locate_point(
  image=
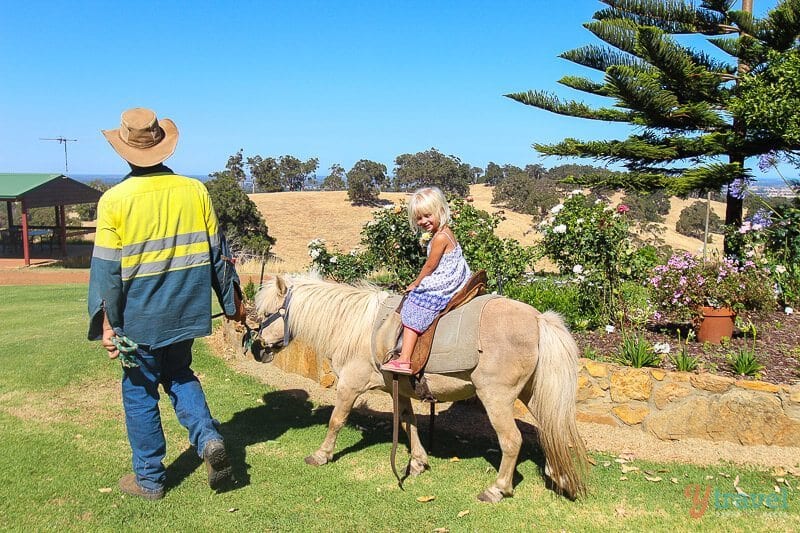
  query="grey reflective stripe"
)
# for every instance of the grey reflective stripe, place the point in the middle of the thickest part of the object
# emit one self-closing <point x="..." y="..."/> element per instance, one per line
<point x="213" y="240"/>
<point x="165" y="243"/>
<point x="157" y="267"/>
<point x="109" y="254"/>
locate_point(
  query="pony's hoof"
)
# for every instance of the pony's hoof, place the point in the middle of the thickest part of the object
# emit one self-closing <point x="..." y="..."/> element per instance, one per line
<point x="417" y="467"/>
<point x="313" y="460"/>
<point x="490" y="495"/>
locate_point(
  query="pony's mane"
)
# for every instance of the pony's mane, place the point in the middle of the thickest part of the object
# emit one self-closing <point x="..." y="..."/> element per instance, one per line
<point x="335" y="319"/>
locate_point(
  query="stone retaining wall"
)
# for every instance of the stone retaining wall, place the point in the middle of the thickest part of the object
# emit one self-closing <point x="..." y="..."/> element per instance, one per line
<point x="669" y="405"/>
<point x="677" y="405"/>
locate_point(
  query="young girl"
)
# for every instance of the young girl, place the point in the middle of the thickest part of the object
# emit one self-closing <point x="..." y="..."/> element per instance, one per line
<point x="442" y="275"/>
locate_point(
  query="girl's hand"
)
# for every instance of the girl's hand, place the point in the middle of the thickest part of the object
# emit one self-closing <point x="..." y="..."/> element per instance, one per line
<point x="411" y="287"/>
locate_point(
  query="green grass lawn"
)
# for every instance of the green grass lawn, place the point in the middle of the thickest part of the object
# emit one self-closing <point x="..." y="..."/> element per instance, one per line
<point x="63" y="447"/>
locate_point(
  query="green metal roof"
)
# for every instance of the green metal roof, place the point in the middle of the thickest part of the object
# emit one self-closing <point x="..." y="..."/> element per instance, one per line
<point x="15" y="185"/>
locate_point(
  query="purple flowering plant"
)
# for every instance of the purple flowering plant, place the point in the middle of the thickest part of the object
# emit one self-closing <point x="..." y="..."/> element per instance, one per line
<point x="685" y="283"/>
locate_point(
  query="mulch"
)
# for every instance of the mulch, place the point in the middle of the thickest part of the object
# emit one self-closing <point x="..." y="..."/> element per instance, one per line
<point x="777" y="345"/>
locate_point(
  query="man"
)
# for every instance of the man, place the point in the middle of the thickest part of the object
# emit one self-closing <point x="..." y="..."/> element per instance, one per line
<point x="158" y="254"/>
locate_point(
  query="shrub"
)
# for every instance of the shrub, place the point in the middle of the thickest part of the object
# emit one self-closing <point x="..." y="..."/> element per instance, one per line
<point x="249" y="290"/>
<point x="637" y="352"/>
<point x="647" y="206"/>
<point x="682" y="360"/>
<point x="692" y="221"/>
<point x="523" y="193"/>
<point x="590" y="239"/>
<point x="239" y="218"/>
<point x="341" y="267"/>
<point x="685" y="283"/>
<point x="561" y="295"/>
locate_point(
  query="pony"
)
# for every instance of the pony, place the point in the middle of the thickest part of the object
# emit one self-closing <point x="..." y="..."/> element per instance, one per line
<point x="524" y="355"/>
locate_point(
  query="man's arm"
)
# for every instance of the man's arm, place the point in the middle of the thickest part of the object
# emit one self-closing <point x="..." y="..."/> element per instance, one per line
<point x="105" y="275"/>
<point x="224" y="279"/>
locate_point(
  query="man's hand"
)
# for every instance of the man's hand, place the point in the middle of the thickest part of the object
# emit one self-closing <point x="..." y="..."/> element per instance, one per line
<point x="241" y="312"/>
<point x="113" y="352"/>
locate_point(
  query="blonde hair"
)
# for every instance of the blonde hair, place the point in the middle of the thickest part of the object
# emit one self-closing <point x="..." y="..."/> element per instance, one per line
<point x="428" y="201"/>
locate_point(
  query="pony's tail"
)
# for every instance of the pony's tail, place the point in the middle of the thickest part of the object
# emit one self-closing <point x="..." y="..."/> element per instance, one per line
<point x="553" y="404"/>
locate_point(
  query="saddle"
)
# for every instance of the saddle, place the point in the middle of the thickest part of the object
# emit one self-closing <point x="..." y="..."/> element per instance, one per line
<point x="475" y="286"/>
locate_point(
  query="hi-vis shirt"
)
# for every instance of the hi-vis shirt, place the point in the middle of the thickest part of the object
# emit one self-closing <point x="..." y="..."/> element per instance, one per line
<point x="158" y="253"/>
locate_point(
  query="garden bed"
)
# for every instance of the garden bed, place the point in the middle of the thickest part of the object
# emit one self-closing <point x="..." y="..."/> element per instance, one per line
<point x="777" y="347"/>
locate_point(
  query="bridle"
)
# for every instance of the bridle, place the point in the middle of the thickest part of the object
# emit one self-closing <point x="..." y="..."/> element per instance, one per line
<point x="281" y="312"/>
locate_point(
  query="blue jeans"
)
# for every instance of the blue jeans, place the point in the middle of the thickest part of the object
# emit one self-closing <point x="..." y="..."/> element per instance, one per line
<point x="169" y="366"/>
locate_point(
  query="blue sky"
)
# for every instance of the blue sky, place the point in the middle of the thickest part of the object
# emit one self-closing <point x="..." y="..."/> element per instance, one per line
<point x="336" y="80"/>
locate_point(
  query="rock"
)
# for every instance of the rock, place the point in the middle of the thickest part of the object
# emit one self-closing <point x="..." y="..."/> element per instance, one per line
<point x="669" y="392"/>
<point x="596" y="418"/>
<point x="631" y="414"/>
<point x="711" y="382"/>
<point x="748" y="418"/>
<point x="587" y="389"/>
<point x="630" y="384"/>
<point x="757" y="385"/>
<point x="687" y="419"/>
<point x="595" y="369"/>
<point x="657" y="374"/>
<point x="327" y="380"/>
<point x="298" y="358"/>
<point x="794" y="394"/>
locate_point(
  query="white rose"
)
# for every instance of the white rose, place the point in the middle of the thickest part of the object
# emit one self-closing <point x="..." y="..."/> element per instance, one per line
<point x="557" y="208"/>
<point x="313" y="253"/>
<point x="788" y="310"/>
<point x="610" y="329"/>
<point x="333" y="259"/>
<point x="561" y="228"/>
<point x="577" y="269"/>
<point x="780" y="269"/>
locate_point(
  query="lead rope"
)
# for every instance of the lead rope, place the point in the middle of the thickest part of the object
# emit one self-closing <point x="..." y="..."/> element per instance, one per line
<point x="127" y="349"/>
<point x="395" y="428"/>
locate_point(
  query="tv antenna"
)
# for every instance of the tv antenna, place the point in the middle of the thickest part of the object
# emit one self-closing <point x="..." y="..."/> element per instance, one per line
<point x="64" y="141"/>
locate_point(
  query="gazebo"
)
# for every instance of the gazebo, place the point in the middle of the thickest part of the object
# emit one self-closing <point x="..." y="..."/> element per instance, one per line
<point x="43" y="190"/>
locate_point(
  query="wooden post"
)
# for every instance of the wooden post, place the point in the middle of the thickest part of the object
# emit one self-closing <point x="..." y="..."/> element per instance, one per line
<point x="63" y="230"/>
<point x="26" y="253"/>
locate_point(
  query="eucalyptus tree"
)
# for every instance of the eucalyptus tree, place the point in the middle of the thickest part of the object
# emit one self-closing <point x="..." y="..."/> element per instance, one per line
<point x="334" y="181"/>
<point x="432" y="167"/>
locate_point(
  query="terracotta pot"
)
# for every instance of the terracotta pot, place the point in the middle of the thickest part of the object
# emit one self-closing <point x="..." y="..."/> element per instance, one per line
<point x="714" y="324"/>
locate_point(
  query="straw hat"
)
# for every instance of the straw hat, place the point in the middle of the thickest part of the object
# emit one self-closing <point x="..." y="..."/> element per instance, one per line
<point x="142" y="139"/>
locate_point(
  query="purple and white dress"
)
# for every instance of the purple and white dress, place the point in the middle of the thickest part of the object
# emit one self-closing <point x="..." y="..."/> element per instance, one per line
<point x="435" y="290"/>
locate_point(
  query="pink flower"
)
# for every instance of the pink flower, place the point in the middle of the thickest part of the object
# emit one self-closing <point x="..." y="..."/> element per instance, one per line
<point x="622" y="208"/>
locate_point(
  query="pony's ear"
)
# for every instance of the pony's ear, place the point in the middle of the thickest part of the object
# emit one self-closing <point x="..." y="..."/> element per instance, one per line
<point x="280" y="284"/>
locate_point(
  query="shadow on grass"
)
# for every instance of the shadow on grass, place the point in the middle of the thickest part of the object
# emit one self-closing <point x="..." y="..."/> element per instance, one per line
<point x="462" y="430"/>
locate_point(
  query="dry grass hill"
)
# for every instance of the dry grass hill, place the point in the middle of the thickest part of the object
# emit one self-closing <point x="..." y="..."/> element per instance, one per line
<point x="295" y="218"/>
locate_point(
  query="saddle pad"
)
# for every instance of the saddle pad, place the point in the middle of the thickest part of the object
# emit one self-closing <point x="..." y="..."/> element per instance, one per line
<point x="456" y="343"/>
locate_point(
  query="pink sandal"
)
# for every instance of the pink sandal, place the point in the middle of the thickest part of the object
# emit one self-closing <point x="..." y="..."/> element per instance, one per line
<point x="397" y="366"/>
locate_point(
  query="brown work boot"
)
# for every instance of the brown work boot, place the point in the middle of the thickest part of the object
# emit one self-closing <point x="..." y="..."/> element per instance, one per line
<point x="217" y="464"/>
<point x="129" y="485"/>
